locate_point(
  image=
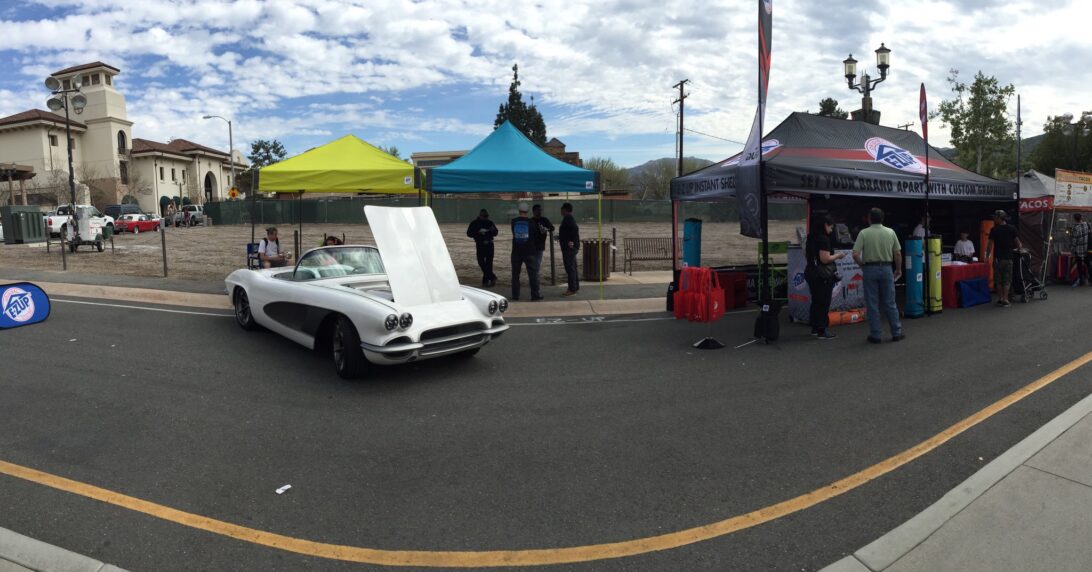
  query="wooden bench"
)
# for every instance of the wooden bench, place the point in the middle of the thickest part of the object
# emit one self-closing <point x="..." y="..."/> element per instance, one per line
<point x="640" y="248"/>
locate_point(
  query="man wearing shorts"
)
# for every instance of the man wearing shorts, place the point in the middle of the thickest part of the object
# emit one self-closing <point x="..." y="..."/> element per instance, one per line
<point x="1002" y="245"/>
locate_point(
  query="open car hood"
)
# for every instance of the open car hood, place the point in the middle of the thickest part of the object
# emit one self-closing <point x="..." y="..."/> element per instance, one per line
<point x="415" y="255"/>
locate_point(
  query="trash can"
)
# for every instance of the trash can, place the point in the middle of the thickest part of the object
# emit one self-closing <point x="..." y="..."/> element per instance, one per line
<point x="692" y="242"/>
<point x="592" y="262"/>
<point x="107" y="231"/>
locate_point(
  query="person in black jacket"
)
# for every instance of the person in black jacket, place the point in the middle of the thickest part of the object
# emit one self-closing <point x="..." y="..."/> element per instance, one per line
<point x="819" y="275"/>
<point x="569" y="237"/>
<point x="544" y="227"/>
<point x="524" y="231"/>
<point x="483" y="231"/>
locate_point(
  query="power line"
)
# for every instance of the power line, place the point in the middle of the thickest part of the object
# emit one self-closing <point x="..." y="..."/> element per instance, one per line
<point x="714" y="136"/>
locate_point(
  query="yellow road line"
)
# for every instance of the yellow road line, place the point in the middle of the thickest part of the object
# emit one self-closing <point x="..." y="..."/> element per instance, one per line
<point x="541" y="556"/>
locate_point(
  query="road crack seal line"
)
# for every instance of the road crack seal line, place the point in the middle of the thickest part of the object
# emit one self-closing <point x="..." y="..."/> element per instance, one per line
<point x="540" y="556"/>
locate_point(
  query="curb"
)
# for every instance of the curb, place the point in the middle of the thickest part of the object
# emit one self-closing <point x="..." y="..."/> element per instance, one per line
<point x="889" y="548"/>
<point x="546" y="309"/>
<point x="29" y="554"/>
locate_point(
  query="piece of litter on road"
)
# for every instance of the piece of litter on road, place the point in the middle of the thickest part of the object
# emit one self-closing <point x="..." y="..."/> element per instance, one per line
<point x="980" y="458"/>
<point x="113" y="346"/>
<point x="72" y="340"/>
<point x="282" y="490"/>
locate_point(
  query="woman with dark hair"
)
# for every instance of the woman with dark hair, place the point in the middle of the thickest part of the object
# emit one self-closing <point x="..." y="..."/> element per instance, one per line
<point x="820" y="274"/>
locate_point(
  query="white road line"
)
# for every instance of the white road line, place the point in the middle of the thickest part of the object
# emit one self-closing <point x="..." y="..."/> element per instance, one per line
<point x="143" y="308"/>
<point x="601" y="320"/>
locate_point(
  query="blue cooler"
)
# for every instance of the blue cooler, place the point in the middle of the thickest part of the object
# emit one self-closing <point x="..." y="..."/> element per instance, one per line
<point x="691" y="242"/>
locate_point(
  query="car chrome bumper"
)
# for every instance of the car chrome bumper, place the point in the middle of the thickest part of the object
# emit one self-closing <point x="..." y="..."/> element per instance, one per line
<point x="435" y="347"/>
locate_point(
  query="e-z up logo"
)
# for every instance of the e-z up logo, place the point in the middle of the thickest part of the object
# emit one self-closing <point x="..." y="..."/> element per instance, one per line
<point x="892" y="155"/>
<point x="767" y="147"/>
<point x="18" y="305"/>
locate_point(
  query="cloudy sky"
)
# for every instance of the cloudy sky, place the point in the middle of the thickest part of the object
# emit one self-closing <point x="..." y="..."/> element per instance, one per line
<point x="429" y="75"/>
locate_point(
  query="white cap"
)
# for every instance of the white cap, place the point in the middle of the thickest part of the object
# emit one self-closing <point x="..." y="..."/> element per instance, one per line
<point x="523" y="208"/>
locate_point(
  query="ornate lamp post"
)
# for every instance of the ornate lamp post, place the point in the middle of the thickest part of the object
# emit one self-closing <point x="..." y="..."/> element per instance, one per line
<point x="867" y="84"/>
<point x="231" y="147"/>
<point x="64" y="99"/>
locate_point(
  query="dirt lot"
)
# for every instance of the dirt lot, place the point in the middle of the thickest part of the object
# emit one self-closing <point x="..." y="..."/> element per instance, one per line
<point x="212" y="253"/>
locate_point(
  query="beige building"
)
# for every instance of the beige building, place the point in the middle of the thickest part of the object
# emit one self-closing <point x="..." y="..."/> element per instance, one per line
<point x="108" y="163"/>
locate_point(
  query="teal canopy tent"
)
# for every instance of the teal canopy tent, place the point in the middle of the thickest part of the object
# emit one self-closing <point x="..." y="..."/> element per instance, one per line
<point x="508" y="162"/>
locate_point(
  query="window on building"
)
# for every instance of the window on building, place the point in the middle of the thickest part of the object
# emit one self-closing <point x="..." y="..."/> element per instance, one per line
<point x="123" y="170"/>
<point x="108" y="78"/>
<point x="94" y="79"/>
<point x="52" y="140"/>
<point x="172" y="175"/>
<point x="121" y="142"/>
<point x="66" y="84"/>
<point x="85" y="80"/>
<point x="161" y="173"/>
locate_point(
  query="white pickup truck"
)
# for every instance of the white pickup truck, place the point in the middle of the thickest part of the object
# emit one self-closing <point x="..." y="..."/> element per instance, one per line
<point x="58" y="220"/>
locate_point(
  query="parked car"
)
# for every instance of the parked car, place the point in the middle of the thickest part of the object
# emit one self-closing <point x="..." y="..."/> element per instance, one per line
<point x="136" y="224"/>
<point x="393" y="303"/>
<point x="117" y="210"/>
<point x="58" y="220"/>
<point x="197" y="215"/>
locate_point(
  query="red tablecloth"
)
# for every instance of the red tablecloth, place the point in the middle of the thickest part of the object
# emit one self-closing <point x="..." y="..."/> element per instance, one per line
<point x="951" y="274"/>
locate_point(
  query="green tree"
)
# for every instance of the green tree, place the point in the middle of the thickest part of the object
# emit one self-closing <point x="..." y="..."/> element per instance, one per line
<point x="391" y="150"/>
<point x="654" y="180"/>
<point x="829" y="108"/>
<point x="263" y="153"/>
<point x="611" y="176"/>
<point x="524" y="117"/>
<point x="981" y="131"/>
<point x="1067" y="144"/>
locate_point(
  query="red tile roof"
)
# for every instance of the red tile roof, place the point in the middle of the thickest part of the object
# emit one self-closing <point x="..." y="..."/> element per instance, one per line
<point x="38" y="115"/>
<point x="183" y="145"/>
<point x="147" y="146"/>
<point x="82" y="67"/>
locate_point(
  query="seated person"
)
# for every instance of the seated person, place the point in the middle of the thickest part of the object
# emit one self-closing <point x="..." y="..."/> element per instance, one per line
<point x="269" y="250"/>
<point x="332" y="241"/>
<point x="964" y="248"/>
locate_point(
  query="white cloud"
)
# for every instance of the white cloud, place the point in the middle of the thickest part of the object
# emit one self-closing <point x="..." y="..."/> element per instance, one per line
<point x="602" y="69"/>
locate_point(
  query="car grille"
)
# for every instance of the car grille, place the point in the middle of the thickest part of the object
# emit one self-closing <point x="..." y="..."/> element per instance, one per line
<point x="451" y="331"/>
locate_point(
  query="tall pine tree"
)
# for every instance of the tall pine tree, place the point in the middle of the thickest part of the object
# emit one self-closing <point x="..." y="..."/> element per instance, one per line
<point x="524" y="117"/>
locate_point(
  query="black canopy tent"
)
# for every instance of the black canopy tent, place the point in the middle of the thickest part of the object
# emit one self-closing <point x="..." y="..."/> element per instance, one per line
<point x="833" y="162"/>
<point x="808" y="154"/>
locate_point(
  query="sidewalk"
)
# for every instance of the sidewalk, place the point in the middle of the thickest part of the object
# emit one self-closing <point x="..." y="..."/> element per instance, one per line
<point x="20" y="553"/>
<point x="641" y="293"/>
<point x="1028" y="509"/>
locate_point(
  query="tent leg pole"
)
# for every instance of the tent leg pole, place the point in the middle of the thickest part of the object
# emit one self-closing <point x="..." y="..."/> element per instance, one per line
<point x="600" y="217"/>
<point x="553" y="266"/>
<point x="299" y="218"/>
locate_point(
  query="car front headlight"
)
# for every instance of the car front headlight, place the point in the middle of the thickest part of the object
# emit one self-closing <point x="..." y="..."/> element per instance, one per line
<point x="503" y="305"/>
<point x="391" y="322"/>
<point x="492" y="307"/>
<point x="406" y="320"/>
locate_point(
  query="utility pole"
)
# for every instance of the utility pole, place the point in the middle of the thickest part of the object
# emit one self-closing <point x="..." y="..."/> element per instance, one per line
<point x="906" y="126"/>
<point x="680" y="101"/>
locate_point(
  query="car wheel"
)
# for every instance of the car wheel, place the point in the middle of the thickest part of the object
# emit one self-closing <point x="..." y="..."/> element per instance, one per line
<point x="349" y="360"/>
<point x="243" y="314"/>
<point x="136" y="230"/>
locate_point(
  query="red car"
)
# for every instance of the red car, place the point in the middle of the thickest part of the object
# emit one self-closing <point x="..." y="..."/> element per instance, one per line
<point x="136" y="223"/>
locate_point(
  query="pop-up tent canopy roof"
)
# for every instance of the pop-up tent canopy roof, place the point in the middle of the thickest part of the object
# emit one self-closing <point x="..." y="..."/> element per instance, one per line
<point x="507" y="161"/>
<point x="347" y="165"/>
<point x="809" y="154"/>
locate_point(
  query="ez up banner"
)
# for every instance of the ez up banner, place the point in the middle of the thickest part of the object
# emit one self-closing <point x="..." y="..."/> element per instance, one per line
<point x="749" y="189"/>
<point x="1072" y="189"/>
<point x="22" y="304"/>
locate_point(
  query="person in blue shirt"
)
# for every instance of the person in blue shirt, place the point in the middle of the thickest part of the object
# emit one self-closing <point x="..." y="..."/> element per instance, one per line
<point x="524" y="252"/>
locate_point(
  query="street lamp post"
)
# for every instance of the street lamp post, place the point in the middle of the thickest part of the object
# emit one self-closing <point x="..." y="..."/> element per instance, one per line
<point x="63" y="99"/>
<point x="231" y="148"/>
<point x="867" y="84"/>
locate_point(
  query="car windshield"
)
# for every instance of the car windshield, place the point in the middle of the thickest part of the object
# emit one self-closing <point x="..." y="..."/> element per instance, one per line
<point x="335" y="261"/>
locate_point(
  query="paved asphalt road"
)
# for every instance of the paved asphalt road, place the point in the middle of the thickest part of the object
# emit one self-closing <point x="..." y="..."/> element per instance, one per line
<point x="555" y="435"/>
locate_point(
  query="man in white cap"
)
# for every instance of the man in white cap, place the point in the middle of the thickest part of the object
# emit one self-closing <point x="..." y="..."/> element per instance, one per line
<point x="524" y="231"/>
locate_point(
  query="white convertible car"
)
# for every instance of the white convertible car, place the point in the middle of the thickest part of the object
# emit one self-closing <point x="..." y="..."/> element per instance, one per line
<point x="394" y="303"/>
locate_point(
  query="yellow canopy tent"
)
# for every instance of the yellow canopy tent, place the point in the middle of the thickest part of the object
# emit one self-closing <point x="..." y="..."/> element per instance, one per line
<point x="347" y="165"/>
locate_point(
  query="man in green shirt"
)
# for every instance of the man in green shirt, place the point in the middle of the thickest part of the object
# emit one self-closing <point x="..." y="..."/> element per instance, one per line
<point x="876" y="249"/>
